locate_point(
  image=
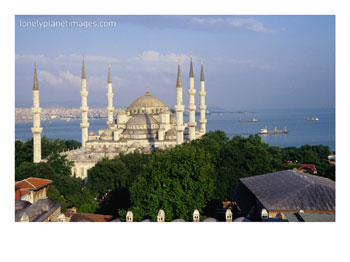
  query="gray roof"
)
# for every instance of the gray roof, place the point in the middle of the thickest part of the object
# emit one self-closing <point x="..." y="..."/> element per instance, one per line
<point x="38" y="211"/>
<point x="210" y="219"/>
<point x="242" y="219"/>
<point x="178" y="220"/>
<point x="148" y="220"/>
<point x="288" y="190"/>
<point x="21" y="204"/>
<point x="310" y="217"/>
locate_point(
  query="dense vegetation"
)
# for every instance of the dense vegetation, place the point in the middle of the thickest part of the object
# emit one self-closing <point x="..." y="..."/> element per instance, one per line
<point x="197" y="175"/>
<point x="65" y="189"/>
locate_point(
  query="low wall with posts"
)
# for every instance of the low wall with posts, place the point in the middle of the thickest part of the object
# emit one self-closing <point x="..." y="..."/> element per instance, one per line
<point x="196" y="216"/>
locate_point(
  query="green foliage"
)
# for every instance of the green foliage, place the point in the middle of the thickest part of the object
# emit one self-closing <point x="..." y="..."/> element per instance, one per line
<point x="60" y="164"/>
<point x="108" y="175"/>
<point x="178" y="181"/>
<point x="29" y="169"/>
<point x="24" y="150"/>
<point x="241" y="157"/>
<point x="197" y="175"/>
<point x="116" y="176"/>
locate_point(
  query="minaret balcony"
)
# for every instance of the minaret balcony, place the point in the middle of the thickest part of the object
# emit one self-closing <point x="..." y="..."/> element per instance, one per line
<point x="191" y="92"/>
<point x="84" y="108"/>
<point x="179" y="108"/>
<point x="203" y="121"/>
<point x="36" y="110"/>
<point x="202" y="93"/>
<point x="192" y="107"/>
<point x="202" y="107"/>
<point x="84" y="125"/>
<point x="192" y="124"/>
<point x="84" y="93"/>
<point x="180" y="128"/>
<point x="37" y="130"/>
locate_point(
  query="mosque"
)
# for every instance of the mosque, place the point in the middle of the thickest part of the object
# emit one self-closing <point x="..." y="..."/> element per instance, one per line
<point x="145" y="125"/>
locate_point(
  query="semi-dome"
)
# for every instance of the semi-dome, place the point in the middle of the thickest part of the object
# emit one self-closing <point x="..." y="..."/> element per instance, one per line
<point x="147" y="101"/>
<point x="143" y="121"/>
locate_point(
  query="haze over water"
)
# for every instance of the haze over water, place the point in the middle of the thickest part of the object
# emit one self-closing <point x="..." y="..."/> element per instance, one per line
<point x="300" y="132"/>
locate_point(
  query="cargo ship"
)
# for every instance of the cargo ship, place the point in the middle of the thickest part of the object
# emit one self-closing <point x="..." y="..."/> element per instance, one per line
<point x="312" y="119"/>
<point x="246" y="121"/>
<point x="264" y="131"/>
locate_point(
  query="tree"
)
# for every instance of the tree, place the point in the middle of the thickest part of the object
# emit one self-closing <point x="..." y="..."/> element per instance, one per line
<point x="60" y="163"/>
<point x="241" y="157"/>
<point x="108" y="175"/>
<point x="178" y="181"/>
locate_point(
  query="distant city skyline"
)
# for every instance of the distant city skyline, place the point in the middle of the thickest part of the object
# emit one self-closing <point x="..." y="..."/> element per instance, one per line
<point x="250" y="62"/>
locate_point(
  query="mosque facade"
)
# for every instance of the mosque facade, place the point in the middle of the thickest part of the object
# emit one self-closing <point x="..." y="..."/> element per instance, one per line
<point x="145" y="125"/>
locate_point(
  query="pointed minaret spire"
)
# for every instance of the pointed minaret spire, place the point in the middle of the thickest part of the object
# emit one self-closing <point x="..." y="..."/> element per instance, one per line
<point x="83" y="76"/>
<point x="35" y="84"/>
<point x="202" y="74"/>
<point x="179" y="82"/>
<point x="109" y="74"/>
<point x="147" y="91"/>
<point x="191" y="68"/>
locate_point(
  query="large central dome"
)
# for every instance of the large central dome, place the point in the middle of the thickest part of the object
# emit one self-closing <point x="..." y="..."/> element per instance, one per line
<point x="147" y="101"/>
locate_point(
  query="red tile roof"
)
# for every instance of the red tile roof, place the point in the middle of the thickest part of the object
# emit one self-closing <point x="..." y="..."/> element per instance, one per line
<point x="32" y="183"/>
<point x="308" y="166"/>
<point x="90" y="217"/>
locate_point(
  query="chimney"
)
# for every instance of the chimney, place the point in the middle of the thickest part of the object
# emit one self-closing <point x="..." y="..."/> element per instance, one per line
<point x="161" y="216"/>
<point x="129" y="216"/>
<point x="196" y="216"/>
<point x="228" y="215"/>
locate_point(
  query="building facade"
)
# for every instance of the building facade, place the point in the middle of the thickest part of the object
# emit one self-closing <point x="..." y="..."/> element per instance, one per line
<point x="145" y="125"/>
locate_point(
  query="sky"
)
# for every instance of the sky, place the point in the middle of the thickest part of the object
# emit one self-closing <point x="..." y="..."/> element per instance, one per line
<point x="250" y="62"/>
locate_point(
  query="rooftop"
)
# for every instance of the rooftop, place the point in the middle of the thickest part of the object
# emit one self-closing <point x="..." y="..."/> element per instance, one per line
<point x="287" y="191"/>
<point x="32" y="183"/>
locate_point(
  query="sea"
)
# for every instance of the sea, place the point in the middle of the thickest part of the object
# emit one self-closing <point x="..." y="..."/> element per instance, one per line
<point x="300" y="131"/>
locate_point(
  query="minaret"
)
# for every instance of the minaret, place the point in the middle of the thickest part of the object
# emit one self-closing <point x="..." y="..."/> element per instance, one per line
<point x="192" y="107"/>
<point x="36" y="129"/>
<point x="202" y="106"/>
<point x="84" y="108"/>
<point x="110" y="107"/>
<point x="179" y="108"/>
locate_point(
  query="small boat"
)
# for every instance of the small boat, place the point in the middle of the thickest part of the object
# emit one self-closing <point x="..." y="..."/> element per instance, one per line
<point x="313" y="119"/>
<point x="246" y="121"/>
<point x="264" y="131"/>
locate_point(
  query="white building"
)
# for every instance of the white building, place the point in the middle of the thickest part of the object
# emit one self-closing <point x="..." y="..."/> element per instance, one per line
<point x="145" y="125"/>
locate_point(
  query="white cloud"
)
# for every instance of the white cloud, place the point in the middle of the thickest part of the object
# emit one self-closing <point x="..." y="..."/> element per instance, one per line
<point x="87" y="58"/>
<point x="49" y="78"/>
<point x="73" y="79"/>
<point x="232" y="22"/>
<point x="30" y="58"/>
<point x="154" y="56"/>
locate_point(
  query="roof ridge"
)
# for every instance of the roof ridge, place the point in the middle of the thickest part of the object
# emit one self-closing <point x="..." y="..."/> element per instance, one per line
<point x="29" y="182"/>
<point x="312" y="183"/>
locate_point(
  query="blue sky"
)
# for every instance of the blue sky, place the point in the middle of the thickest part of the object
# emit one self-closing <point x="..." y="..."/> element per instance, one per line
<point x="250" y="62"/>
